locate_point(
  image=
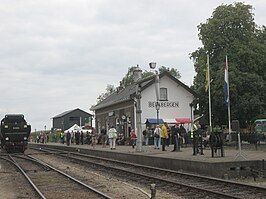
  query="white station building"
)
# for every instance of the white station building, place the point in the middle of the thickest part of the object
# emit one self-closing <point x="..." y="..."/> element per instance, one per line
<point x="174" y="105"/>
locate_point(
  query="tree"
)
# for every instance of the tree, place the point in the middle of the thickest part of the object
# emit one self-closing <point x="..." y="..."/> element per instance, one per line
<point x="172" y="71"/>
<point x="128" y="78"/>
<point x="109" y="90"/>
<point x="232" y="31"/>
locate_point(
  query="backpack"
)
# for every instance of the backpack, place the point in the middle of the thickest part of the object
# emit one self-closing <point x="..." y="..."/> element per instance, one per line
<point x="144" y="132"/>
<point x="156" y="133"/>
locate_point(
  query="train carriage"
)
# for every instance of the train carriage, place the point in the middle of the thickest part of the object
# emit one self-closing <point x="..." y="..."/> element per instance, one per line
<point x="14" y="133"/>
<point x="260" y="126"/>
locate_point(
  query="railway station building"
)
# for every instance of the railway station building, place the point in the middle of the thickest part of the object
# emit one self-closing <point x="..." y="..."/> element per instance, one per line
<point x="119" y="108"/>
<point x="67" y="119"/>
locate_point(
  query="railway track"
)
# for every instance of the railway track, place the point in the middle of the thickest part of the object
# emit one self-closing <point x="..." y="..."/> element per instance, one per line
<point x="184" y="184"/>
<point x="49" y="182"/>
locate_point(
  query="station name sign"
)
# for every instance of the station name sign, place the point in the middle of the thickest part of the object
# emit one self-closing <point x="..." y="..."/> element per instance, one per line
<point x="164" y="104"/>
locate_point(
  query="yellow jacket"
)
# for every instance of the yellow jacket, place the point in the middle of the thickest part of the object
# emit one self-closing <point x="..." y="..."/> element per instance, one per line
<point x="164" y="133"/>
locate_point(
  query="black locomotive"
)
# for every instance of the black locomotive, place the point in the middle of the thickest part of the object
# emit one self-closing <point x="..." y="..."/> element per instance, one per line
<point x="14" y="133"/>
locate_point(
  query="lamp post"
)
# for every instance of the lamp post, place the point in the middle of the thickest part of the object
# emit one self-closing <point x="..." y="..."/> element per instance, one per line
<point x="191" y="113"/>
<point x="157" y="107"/>
<point x="44" y="128"/>
<point x="157" y="89"/>
<point x="137" y="75"/>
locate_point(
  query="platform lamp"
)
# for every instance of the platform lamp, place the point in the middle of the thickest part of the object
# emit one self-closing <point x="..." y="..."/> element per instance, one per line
<point x="157" y="107"/>
<point x="137" y="76"/>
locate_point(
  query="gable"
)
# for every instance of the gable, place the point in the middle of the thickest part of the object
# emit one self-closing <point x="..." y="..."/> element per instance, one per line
<point x="166" y="74"/>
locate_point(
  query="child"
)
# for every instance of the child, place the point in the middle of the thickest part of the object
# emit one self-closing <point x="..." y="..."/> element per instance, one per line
<point x="133" y="138"/>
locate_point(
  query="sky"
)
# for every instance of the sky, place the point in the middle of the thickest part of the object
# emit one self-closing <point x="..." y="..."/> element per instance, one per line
<point x="59" y="55"/>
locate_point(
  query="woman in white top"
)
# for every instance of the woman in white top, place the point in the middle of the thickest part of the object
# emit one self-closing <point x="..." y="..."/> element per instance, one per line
<point x="157" y="137"/>
<point x="112" y="135"/>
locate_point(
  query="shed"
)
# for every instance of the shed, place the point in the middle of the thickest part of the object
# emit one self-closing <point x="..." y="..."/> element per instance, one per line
<point x="67" y="119"/>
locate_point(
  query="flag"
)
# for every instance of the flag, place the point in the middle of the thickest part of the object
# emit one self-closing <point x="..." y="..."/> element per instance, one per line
<point x="226" y="83"/>
<point x="207" y="78"/>
<point x="208" y="88"/>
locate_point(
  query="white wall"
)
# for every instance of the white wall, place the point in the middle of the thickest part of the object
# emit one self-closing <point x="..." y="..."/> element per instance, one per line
<point x="176" y="93"/>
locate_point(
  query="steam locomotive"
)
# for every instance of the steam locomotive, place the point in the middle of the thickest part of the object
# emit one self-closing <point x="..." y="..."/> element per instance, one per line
<point x="14" y="133"/>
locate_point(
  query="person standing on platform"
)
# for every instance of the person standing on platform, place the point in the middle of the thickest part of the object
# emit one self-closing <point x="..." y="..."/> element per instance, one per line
<point x="112" y="135"/>
<point x="194" y="136"/>
<point x="94" y="138"/>
<point x="146" y="135"/>
<point x="133" y="138"/>
<point x="68" y="137"/>
<point x="104" y="137"/>
<point x="164" y="135"/>
<point x="121" y="139"/>
<point x="62" y="137"/>
<point x="77" y="137"/>
<point x="47" y="138"/>
<point x="88" y="138"/>
<point x="157" y="137"/>
<point x="72" y="138"/>
<point x="82" y="137"/>
<point x="183" y="133"/>
<point x="175" y="136"/>
<point x="169" y="139"/>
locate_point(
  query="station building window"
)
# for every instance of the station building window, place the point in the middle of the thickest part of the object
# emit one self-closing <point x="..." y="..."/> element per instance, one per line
<point x="163" y="94"/>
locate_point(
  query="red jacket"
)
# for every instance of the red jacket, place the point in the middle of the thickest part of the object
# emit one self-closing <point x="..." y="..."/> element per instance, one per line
<point x="132" y="135"/>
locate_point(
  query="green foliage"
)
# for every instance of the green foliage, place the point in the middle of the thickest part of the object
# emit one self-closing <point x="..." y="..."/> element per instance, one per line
<point x="172" y="71"/>
<point x="128" y="78"/>
<point x="53" y="136"/>
<point x="231" y="31"/>
<point x="109" y="90"/>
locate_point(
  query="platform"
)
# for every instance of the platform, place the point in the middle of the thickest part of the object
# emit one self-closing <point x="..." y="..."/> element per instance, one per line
<point x="233" y="164"/>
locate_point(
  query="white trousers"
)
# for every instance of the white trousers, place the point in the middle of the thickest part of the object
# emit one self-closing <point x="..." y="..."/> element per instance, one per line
<point x="112" y="142"/>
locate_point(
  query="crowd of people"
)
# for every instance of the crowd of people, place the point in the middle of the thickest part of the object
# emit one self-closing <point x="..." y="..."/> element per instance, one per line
<point x="111" y="137"/>
<point x="164" y="135"/>
<point x="42" y="138"/>
<point x="161" y="136"/>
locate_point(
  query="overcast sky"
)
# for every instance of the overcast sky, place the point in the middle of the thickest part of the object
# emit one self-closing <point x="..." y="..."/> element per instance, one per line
<point x="58" y="55"/>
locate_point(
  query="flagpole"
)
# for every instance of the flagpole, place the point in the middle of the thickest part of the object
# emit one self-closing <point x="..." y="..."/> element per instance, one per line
<point x="228" y="105"/>
<point x="209" y="86"/>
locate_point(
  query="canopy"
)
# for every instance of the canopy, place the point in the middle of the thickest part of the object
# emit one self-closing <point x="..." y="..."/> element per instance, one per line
<point x="154" y="121"/>
<point x="182" y="120"/>
<point x="74" y="128"/>
<point x="169" y="121"/>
